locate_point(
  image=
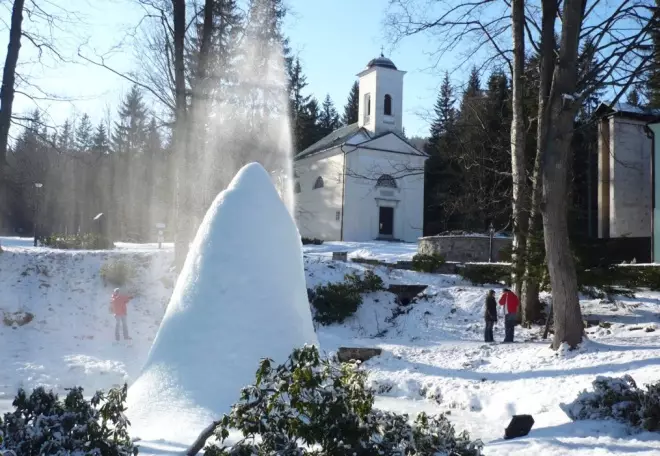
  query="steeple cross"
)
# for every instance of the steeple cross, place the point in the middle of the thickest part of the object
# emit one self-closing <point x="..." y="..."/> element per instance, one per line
<point x="381" y="51"/>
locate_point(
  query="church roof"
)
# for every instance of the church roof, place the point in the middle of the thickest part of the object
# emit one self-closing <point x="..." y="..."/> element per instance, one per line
<point x="382" y="62"/>
<point x="340" y="136"/>
<point x="336" y="138"/>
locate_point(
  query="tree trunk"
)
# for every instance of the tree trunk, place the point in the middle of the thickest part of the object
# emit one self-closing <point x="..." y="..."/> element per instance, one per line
<point x="7" y="97"/>
<point x="520" y="193"/>
<point x="182" y="203"/>
<point x="199" y="108"/>
<point x="531" y="306"/>
<point x="555" y="164"/>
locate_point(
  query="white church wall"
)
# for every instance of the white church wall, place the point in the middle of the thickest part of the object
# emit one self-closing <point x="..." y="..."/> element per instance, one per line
<point x="364" y="198"/>
<point x="318" y="211"/>
<point x="628" y="196"/>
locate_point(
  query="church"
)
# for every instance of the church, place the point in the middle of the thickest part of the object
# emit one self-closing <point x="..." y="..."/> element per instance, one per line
<point x="364" y="181"/>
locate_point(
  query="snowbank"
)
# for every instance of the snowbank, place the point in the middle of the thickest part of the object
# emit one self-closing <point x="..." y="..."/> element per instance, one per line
<point x="240" y="297"/>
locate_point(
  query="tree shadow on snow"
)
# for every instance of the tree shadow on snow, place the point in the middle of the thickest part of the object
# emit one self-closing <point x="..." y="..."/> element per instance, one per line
<point x="467" y="374"/>
<point x="588" y="429"/>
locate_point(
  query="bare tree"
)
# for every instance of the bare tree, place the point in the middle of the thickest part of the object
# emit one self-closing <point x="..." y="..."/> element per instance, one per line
<point x="520" y="212"/>
<point x="620" y="40"/>
<point x="7" y="90"/>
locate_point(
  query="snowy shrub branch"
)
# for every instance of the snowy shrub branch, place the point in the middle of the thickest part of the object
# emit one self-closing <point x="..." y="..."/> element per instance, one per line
<point x="314" y="406"/>
<point x="335" y="302"/>
<point x="619" y="399"/>
<point x="42" y="424"/>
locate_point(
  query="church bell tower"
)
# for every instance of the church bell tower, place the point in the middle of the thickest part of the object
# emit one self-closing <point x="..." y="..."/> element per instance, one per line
<point x="381" y="97"/>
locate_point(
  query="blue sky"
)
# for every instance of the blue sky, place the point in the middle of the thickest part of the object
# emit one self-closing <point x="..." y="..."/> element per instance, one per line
<point x="333" y="38"/>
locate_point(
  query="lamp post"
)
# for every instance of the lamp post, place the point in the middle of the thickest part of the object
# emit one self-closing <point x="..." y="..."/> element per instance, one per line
<point x="38" y="186"/>
<point x="491" y="233"/>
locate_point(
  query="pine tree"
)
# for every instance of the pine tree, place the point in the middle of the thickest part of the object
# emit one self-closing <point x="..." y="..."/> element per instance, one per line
<point x="65" y="139"/>
<point x="84" y="132"/>
<point x="299" y="107"/>
<point x="308" y="124"/>
<point x="633" y="97"/>
<point x="128" y="143"/>
<point x="328" y="118"/>
<point x="100" y="142"/>
<point x="440" y="171"/>
<point x="445" y="116"/>
<point x="352" y="105"/>
<point x="653" y="82"/>
<point x="129" y="134"/>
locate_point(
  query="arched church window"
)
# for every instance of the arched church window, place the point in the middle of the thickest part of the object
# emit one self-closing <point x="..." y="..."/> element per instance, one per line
<point x="386" y="181"/>
<point x="318" y="183"/>
<point x="297" y="188"/>
<point x="388" y="105"/>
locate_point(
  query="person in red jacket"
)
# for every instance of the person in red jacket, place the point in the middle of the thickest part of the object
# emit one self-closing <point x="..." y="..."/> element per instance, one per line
<point x="118" y="307"/>
<point x="509" y="301"/>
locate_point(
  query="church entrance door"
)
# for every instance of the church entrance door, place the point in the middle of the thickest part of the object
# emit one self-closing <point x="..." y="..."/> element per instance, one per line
<point x="386" y="221"/>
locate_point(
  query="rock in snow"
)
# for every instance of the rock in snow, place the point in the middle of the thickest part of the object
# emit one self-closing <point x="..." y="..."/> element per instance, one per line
<point x="240" y="297"/>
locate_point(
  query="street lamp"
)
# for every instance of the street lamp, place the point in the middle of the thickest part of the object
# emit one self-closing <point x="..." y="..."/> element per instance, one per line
<point x="38" y="186"/>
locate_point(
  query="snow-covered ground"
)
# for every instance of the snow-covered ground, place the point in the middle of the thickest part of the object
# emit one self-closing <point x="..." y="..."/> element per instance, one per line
<point x="390" y="252"/>
<point x="433" y="357"/>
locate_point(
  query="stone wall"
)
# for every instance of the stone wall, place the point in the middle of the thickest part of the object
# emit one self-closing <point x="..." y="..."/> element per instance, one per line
<point x="464" y="248"/>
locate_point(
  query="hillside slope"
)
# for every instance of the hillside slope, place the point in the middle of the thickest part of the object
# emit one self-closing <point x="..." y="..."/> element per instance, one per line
<point x="70" y="340"/>
<point x="433" y="355"/>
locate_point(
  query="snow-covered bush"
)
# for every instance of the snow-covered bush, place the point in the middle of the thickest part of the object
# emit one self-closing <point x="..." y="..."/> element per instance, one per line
<point x="117" y="273"/>
<point x="335" y="302"/>
<point x="619" y="399"/>
<point x="88" y="241"/>
<point x="314" y="406"/>
<point x="42" y="424"/>
<point x="422" y="262"/>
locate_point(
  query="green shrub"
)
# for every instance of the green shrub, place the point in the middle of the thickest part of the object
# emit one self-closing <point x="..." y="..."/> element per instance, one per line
<point x="422" y="262"/>
<point x="313" y="406"/>
<point x="335" y="302"/>
<point x="619" y="399"/>
<point x="486" y="273"/>
<point x="89" y="241"/>
<point x="117" y="273"/>
<point x="370" y="282"/>
<point x="312" y="241"/>
<point x="42" y="424"/>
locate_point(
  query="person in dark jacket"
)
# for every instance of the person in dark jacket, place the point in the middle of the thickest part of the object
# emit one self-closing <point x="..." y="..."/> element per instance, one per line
<point x="490" y="315"/>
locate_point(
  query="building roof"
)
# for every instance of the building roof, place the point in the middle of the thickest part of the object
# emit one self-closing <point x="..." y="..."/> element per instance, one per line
<point x="627" y="110"/>
<point x="382" y="62"/>
<point x="340" y="136"/>
<point x="336" y="138"/>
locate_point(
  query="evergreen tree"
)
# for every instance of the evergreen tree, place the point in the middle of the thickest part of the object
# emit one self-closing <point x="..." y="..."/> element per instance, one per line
<point x="308" y="124"/>
<point x="440" y="171"/>
<point x="352" y="105"/>
<point x="653" y="82"/>
<point x="130" y="130"/>
<point x="65" y="138"/>
<point x="633" y="97"/>
<point x="445" y="117"/>
<point x="328" y="118"/>
<point x="300" y="108"/>
<point x="84" y="132"/>
<point x="100" y="142"/>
